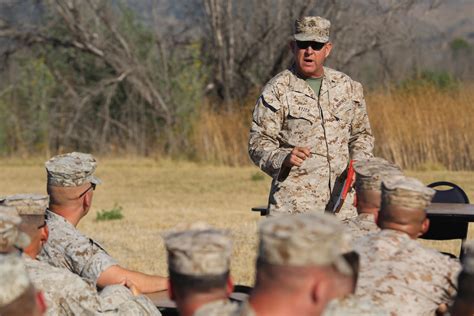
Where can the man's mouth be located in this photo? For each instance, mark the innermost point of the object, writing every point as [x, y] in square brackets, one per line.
[308, 60]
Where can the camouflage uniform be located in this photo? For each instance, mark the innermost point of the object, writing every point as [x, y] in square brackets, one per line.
[200, 251]
[403, 276]
[65, 292]
[217, 308]
[334, 126]
[353, 306]
[67, 248]
[396, 271]
[361, 225]
[14, 278]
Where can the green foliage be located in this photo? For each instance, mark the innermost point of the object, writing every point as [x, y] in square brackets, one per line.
[114, 213]
[439, 79]
[257, 176]
[25, 107]
[459, 44]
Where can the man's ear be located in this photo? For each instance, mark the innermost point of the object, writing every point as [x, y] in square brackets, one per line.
[87, 201]
[291, 45]
[327, 49]
[229, 286]
[171, 293]
[424, 226]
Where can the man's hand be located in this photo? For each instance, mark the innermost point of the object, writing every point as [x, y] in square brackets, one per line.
[133, 288]
[296, 157]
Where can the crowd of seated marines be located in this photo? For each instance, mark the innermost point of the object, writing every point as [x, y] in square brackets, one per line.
[307, 264]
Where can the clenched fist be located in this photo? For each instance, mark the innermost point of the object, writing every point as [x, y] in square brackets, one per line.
[296, 157]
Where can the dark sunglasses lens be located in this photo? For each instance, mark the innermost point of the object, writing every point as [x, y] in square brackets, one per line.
[305, 45]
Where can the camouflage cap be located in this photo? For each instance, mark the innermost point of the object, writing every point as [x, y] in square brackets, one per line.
[27, 204]
[10, 235]
[15, 280]
[370, 173]
[71, 170]
[312, 28]
[198, 252]
[309, 239]
[406, 192]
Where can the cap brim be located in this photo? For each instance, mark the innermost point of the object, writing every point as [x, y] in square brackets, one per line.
[303, 37]
[96, 180]
[22, 241]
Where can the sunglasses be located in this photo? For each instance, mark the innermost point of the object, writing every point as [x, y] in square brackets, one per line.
[314, 45]
[93, 185]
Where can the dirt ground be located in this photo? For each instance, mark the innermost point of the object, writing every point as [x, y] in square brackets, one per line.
[158, 194]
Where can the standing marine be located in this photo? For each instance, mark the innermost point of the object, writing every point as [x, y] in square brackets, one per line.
[308, 123]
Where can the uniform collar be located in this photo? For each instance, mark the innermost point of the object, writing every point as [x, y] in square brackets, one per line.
[299, 84]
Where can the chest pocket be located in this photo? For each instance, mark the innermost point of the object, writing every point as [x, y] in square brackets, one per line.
[300, 120]
[342, 110]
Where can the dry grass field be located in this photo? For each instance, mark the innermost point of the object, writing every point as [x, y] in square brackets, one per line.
[158, 194]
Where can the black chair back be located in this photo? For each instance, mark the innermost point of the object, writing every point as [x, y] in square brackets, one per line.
[445, 228]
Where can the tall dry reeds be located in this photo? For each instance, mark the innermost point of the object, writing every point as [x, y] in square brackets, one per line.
[423, 127]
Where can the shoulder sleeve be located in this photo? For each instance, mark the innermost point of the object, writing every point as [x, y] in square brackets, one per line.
[88, 258]
[267, 120]
[361, 142]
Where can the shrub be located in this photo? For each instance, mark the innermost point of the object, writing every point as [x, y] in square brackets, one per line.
[108, 215]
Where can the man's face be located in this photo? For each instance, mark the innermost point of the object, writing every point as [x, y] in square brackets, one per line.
[39, 238]
[310, 57]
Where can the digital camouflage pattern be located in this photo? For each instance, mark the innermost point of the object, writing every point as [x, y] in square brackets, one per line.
[360, 225]
[334, 126]
[14, 278]
[67, 294]
[312, 28]
[354, 306]
[10, 235]
[27, 204]
[217, 308]
[67, 248]
[371, 171]
[119, 300]
[406, 192]
[199, 252]
[405, 278]
[303, 240]
[71, 170]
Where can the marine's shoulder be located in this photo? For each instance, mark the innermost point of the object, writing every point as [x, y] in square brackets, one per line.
[280, 82]
[217, 308]
[353, 305]
[337, 76]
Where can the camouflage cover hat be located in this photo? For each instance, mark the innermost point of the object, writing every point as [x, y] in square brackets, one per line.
[370, 173]
[14, 278]
[312, 28]
[304, 240]
[71, 170]
[406, 192]
[27, 204]
[198, 252]
[10, 235]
